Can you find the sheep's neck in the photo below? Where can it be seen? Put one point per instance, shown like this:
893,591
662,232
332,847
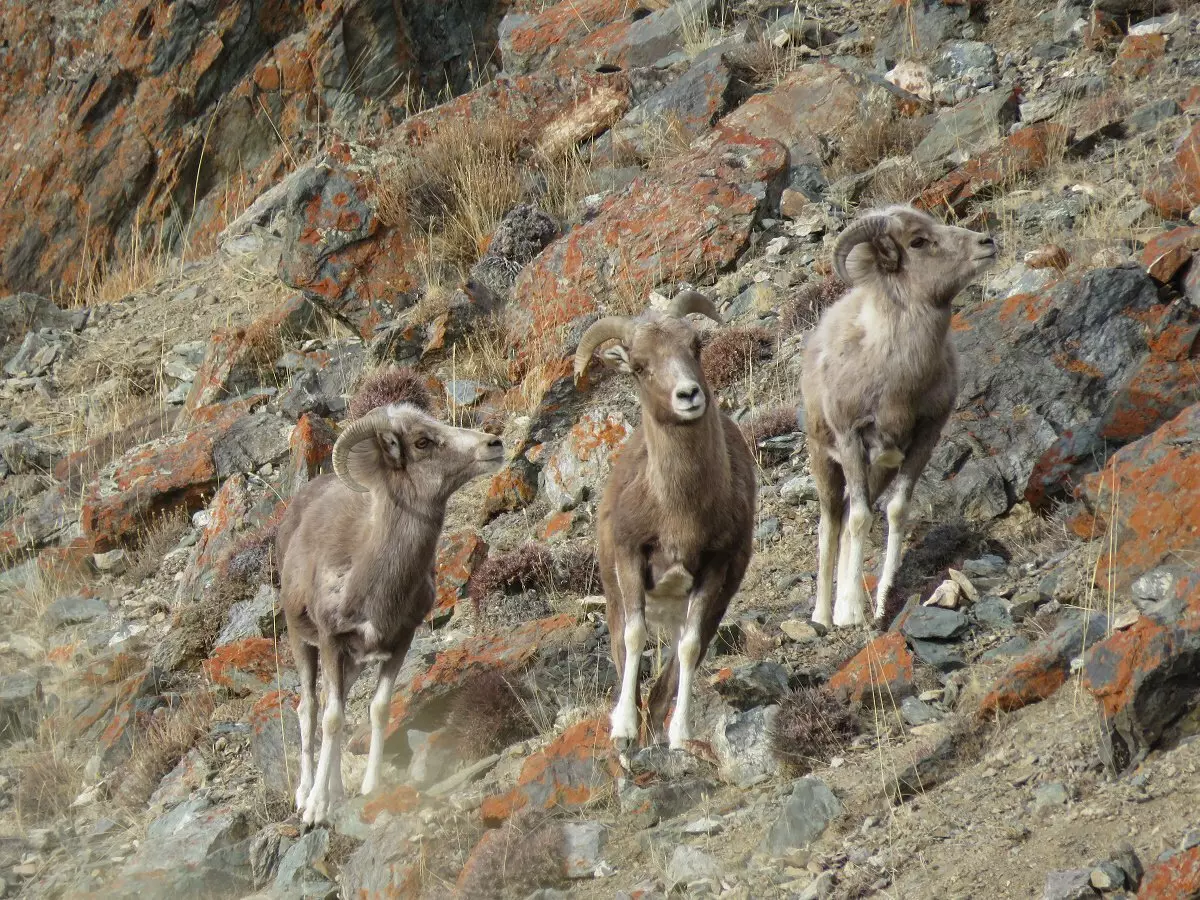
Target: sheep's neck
912,334
404,521
688,469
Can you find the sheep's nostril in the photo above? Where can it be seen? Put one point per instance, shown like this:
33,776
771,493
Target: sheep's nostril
687,393
495,442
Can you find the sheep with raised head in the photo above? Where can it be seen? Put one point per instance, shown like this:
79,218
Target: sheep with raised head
356,552
675,525
880,380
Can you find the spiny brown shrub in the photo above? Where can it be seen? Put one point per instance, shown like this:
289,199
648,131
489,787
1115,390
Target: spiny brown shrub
47,782
811,727
578,571
487,714
768,424
730,354
804,307
398,384
248,563
157,750
527,568
526,853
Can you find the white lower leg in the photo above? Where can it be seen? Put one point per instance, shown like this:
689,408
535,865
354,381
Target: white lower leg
625,714
307,714
851,598
380,709
687,652
316,808
828,532
897,516
337,790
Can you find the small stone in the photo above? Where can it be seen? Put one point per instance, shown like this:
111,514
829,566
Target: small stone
798,630
73,610
946,595
690,864
1107,876
820,888
1073,884
114,562
767,529
707,825
755,684
1052,794
932,623
942,657
964,583
804,817
1023,605
584,847
798,489
914,712
993,612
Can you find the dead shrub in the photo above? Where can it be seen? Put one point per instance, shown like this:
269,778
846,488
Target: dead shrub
578,571
731,353
396,384
811,727
901,182
512,861
802,310
158,749
769,423
877,133
47,782
158,540
247,564
527,568
262,344
489,713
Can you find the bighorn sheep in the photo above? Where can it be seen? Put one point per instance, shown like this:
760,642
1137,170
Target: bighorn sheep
675,530
880,379
356,555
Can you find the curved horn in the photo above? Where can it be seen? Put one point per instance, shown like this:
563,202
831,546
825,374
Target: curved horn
693,302
600,331
355,433
860,232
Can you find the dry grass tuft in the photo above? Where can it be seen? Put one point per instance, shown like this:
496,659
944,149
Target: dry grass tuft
525,854
803,308
768,424
48,781
263,345
812,726
157,541
487,714
876,134
901,182
100,452
732,353
398,384
578,571
250,562
527,568
157,750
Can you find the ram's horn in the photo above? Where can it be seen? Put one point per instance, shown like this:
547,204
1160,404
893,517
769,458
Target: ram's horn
356,432
693,302
860,232
600,331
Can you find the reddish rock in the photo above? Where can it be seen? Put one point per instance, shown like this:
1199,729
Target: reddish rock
229,513
458,555
43,522
540,38
1045,667
557,525
311,447
423,702
175,472
275,741
1149,493
1026,151
1174,189
1048,256
236,358
880,673
510,489
578,768
1177,878
578,468
691,220
248,666
113,685
1138,55
1167,254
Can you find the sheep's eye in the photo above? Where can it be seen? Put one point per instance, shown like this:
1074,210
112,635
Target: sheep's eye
422,442
917,242
639,368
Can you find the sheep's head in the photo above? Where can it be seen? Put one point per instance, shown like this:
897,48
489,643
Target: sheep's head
911,254
660,350
400,438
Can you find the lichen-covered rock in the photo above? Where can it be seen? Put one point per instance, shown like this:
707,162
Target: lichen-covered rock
1044,668
311,445
1168,254
527,42
44,520
577,468
880,673
248,666
386,864
1175,878
1174,190
275,741
422,703
458,555
578,768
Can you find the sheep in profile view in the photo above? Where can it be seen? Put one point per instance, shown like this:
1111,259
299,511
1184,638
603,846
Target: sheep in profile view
675,529
356,553
880,379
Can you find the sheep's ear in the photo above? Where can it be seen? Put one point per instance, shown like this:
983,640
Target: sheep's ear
393,449
887,253
617,357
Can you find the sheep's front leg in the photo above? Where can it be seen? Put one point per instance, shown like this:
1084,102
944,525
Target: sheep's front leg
688,651
624,722
381,707
831,487
850,607
316,807
306,665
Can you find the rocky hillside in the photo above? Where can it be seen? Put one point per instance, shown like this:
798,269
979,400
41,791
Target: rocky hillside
230,228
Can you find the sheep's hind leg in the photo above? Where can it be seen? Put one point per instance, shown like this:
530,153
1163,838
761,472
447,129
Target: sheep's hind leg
306,664
897,518
624,722
337,789
316,807
380,710
831,490
850,606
